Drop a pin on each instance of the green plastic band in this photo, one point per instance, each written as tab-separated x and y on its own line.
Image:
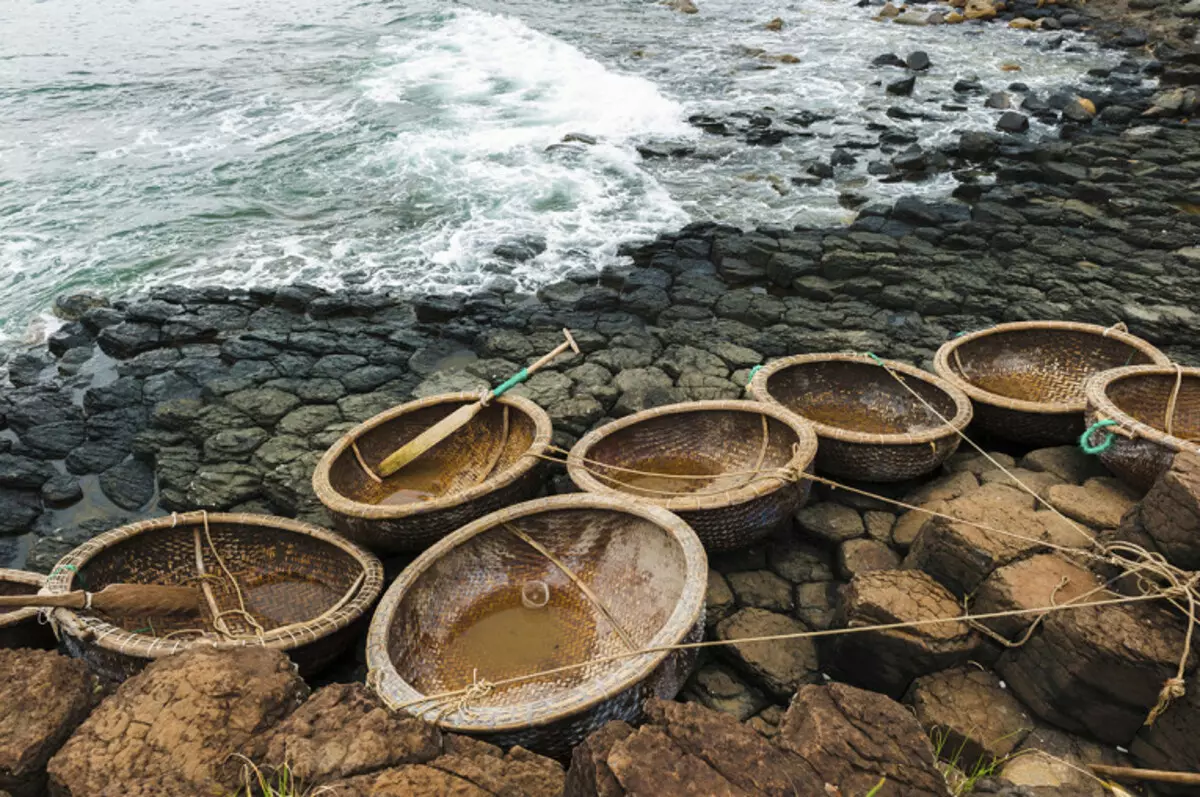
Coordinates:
512	382
960	334
1105	444
69	569
753	371
875	357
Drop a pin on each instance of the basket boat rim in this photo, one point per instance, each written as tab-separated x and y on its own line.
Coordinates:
118	640
963	411
395	691
17	616
804	452
941	363
335	501
1100	405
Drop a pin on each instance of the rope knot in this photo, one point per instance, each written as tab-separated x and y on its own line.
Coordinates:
485	397
478	690
1173	689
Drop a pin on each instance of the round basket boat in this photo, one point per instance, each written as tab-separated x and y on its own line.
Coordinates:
1155	414
731	469
545	585
1026	379
489	463
20	628
869	425
274	582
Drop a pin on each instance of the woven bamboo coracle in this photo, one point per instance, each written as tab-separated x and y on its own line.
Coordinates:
870	426
541	585
1156	410
263	580
19	628
1026	379
731	469
489	463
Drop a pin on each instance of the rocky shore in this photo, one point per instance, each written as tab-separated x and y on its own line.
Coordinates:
224	399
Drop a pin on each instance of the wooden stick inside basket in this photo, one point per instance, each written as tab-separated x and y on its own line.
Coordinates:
459	418
116	599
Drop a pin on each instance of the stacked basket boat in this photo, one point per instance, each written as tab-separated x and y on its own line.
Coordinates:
534	622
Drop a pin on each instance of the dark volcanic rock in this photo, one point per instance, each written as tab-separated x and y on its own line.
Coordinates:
129	485
902	88
1012	122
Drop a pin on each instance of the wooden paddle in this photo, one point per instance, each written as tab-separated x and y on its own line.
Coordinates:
457	419
116	599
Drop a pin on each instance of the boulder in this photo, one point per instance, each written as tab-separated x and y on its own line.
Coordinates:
129	485
879	525
1173	741
945	488
798	562
342	731
589	774
908	526
1039	482
761	589
1052	763
1012	122
173	728
816	603
971	718
862	556
1066	462
1170	513
1042	580
887	661
717	687
853	738
778	666
1097	503
830	522
1097	669
719	602
43	698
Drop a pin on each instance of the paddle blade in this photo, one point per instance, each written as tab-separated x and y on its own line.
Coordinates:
145	599
428	438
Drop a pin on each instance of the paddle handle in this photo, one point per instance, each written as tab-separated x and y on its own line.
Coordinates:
71	600
525	373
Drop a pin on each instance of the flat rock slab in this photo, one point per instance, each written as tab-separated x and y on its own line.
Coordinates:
173	728
43	698
1066	462
864	555
1053	763
761	589
778	666
1097	669
342	731
972	719
1095	503
888	661
830	522
1033	583
852	737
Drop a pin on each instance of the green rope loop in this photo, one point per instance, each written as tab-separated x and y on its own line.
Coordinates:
1084	440
878	360
69	569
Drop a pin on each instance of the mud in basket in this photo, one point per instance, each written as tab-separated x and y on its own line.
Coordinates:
20	628
1141	417
1026	379
542	585
489	463
261	580
731	469
869	426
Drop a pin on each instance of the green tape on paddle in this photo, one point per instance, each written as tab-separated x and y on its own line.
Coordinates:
1085	444
512	382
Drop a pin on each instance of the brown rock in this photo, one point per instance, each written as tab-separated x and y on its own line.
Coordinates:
909	525
589	775
715	686
1170	513
762	589
775	24
863	556
1173	741
779	666
887	661
1039	482
43	698
1066	462
830	522
853	737
1051	763
816	603
799	562
342	731
971	718
879	525
741	756
173	728
970	460
1097	669
767	721
1095	503
947	488
889	10
648	763
517	773
1042	580
408	781
962	554
718	599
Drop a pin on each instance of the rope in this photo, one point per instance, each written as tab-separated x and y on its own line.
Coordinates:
362	463
1117	327
591	596
1170	419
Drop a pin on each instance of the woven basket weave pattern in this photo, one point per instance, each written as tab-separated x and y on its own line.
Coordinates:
720	439
1137	399
487	464
641	563
290	575
1027	378
870	426
19	628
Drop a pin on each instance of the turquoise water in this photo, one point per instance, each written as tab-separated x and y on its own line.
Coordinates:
397	144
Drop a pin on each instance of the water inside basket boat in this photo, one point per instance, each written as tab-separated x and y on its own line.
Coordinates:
662	475
403	496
